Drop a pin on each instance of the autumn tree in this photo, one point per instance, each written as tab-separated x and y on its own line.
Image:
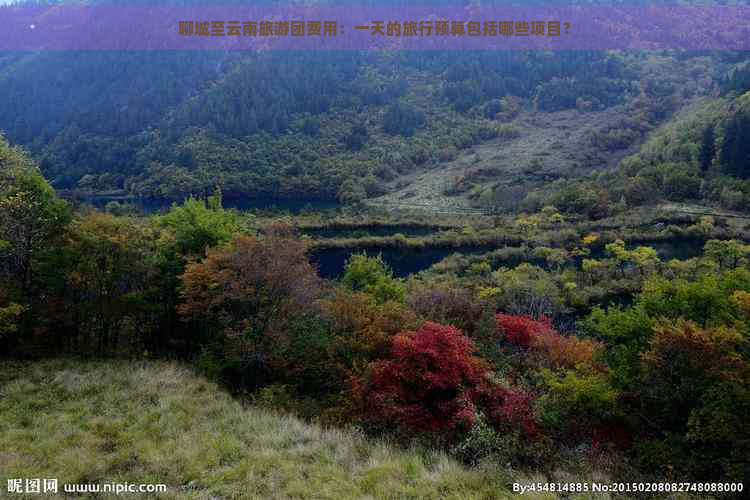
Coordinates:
693	397
447	303
521	330
247	291
428	384
561	351
110	273
31	216
742	301
433	384
363	327
193	227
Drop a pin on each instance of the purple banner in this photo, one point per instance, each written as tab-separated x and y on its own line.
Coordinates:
374	27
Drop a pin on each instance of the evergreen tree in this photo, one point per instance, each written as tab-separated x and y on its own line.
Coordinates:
708	148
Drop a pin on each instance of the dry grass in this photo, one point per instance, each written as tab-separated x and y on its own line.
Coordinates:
155	422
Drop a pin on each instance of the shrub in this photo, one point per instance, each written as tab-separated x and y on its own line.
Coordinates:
9	318
695	389
483	442
434	385
362	329
583	393
520	330
428	385
371	275
446	303
510	409
565	352
528	290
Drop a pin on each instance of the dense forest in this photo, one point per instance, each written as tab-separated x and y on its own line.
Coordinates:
169	124
165	125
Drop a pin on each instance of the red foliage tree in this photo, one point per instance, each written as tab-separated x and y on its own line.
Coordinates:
521	330
552	349
433	383
510	409
430	383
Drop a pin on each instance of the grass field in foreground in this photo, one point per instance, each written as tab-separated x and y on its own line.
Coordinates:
157	422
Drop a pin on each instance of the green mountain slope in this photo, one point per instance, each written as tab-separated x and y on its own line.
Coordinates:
333	125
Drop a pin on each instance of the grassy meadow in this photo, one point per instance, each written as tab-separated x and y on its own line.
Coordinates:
157	422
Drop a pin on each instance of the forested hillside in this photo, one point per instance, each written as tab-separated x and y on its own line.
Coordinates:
318	125
342	126
700	155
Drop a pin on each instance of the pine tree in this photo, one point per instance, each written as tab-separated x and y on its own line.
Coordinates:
708	148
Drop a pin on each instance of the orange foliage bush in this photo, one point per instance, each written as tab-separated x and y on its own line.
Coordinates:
253	284
558	350
363	329
565	352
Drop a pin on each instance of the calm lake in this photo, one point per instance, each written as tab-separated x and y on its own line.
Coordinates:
405	261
